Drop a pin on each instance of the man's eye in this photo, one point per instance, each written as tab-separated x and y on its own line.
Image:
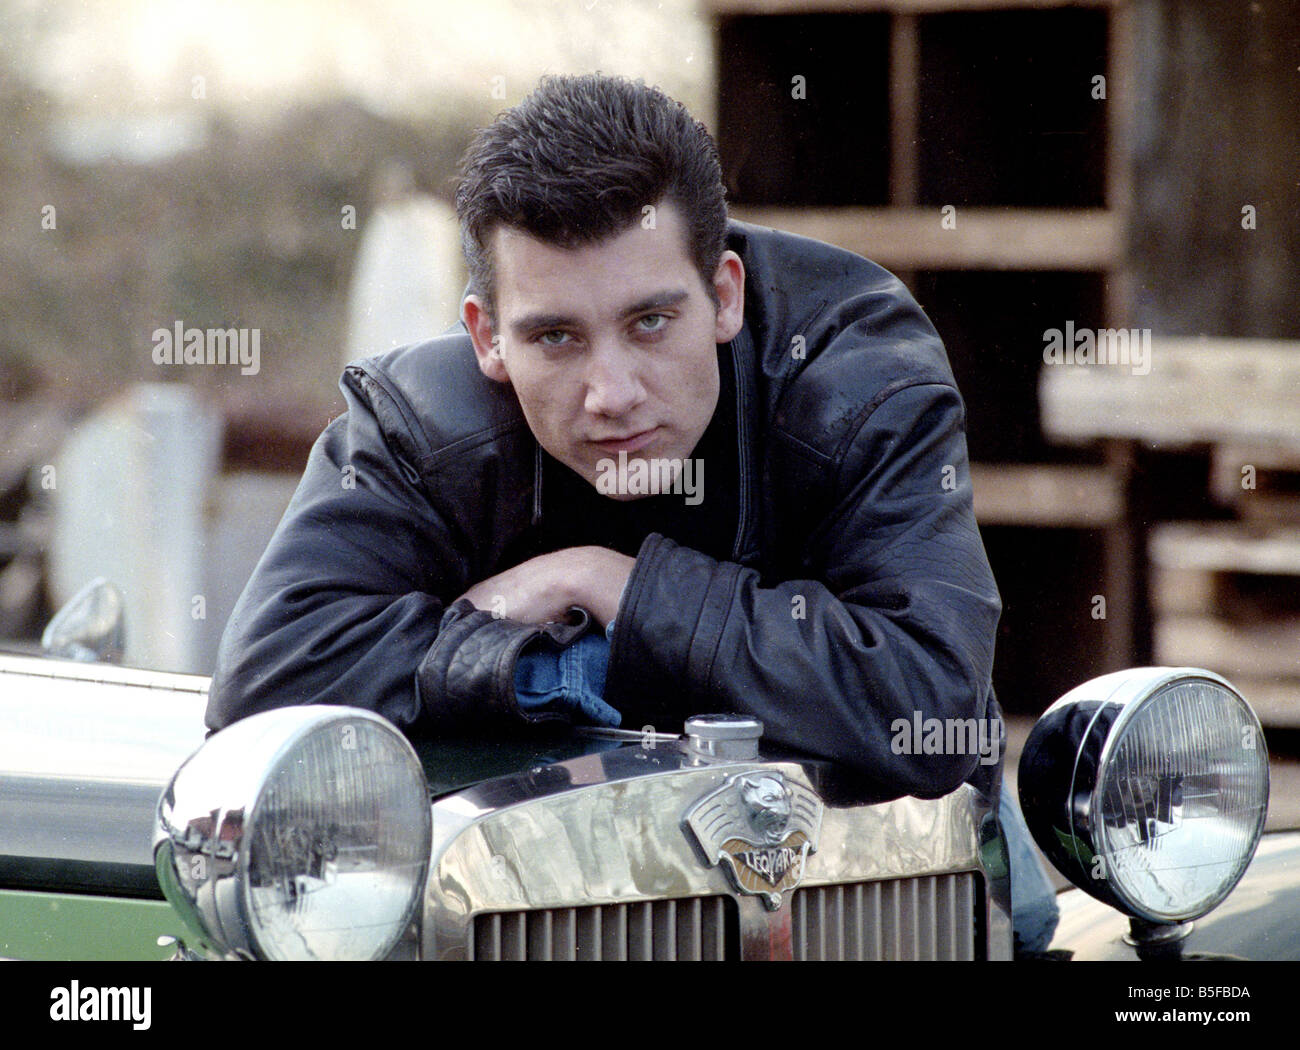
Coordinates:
652	322
555	337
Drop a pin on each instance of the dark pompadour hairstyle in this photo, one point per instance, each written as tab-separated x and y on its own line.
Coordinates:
577	161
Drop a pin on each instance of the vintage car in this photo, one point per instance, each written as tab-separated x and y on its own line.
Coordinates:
321	832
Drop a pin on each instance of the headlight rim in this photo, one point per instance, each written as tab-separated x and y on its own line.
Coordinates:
226	912
1120	697
1133	707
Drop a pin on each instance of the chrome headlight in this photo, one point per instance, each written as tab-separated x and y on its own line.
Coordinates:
300	833
1148	789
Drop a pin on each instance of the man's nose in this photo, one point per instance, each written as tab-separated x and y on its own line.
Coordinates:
614	387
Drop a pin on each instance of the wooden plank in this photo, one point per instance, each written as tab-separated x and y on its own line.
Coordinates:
1177	591
1196	391
1227	547
1262	484
793	7
1268	650
1229	458
904	106
1211	144
1044	495
982	238
1126	572
1266	508
1121	76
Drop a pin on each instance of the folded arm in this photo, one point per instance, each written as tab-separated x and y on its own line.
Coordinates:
351	602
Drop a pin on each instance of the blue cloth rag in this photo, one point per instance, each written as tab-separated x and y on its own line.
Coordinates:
571	680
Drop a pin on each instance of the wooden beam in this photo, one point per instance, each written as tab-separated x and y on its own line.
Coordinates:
1188	392
904	109
1121	81
1266	650
981	238
1046	495
1227	547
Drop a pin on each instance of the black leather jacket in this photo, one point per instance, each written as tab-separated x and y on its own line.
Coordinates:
859	592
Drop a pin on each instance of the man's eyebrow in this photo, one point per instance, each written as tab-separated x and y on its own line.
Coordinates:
657	301
537	322
543	321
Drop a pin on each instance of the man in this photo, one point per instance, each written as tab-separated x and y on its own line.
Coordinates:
738	453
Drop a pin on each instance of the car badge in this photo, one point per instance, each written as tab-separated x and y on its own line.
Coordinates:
763	827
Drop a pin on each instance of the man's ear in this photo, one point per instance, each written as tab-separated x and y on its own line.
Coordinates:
487	347
729	285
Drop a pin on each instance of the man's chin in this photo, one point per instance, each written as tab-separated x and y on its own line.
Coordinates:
611	482
623	497
630	477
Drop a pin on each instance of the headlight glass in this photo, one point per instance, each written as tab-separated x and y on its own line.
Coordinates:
298	833
335	858
1148	788
1179	801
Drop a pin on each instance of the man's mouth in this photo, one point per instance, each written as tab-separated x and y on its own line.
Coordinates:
632	442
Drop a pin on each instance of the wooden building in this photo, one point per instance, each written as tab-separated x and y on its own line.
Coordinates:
1103	164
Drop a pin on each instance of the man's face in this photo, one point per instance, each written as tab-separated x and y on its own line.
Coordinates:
610	347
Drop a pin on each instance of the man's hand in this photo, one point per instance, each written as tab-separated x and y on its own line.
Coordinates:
542	588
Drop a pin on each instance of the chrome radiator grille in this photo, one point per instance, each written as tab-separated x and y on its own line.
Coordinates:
694	928
931	917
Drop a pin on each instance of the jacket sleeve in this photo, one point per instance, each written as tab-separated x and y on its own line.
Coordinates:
896	618
349	602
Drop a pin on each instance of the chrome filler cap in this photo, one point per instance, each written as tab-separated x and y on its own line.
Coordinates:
724	736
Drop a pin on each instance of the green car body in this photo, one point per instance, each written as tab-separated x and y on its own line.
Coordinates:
88	750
